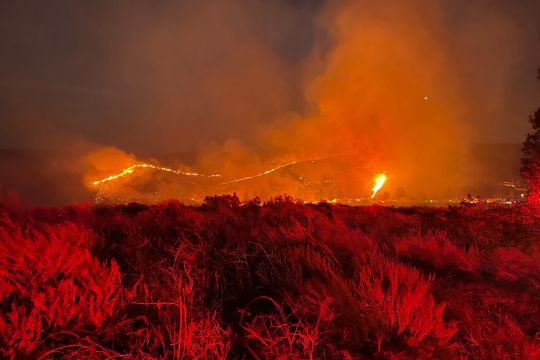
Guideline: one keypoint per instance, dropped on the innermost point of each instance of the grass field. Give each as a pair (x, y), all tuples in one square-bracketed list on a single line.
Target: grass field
[(266, 281)]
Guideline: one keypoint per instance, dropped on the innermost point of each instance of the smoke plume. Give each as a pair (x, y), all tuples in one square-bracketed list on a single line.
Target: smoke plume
[(238, 87)]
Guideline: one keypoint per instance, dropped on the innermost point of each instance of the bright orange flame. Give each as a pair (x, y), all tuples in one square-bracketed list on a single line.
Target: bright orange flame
[(379, 182), (269, 171), (132, 168)]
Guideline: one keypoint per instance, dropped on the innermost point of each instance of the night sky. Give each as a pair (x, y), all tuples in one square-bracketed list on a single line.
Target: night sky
[(135, 74)]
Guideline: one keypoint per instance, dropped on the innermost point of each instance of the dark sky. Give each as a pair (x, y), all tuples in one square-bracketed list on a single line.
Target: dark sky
[(165, 76)]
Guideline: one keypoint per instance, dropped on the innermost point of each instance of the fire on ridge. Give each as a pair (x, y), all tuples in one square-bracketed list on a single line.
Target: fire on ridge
[(126, 173), (131, 169)]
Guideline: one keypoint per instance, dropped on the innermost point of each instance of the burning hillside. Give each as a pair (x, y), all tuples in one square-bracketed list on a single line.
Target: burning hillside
[(380, 93), (314, 179), (248, 86)]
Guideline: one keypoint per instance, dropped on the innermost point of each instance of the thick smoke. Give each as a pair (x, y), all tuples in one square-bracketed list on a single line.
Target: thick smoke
[(236, 87), (388, 95), (389, 88)]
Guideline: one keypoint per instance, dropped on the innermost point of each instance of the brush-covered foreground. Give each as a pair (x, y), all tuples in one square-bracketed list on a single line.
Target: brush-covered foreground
[(284, 280)]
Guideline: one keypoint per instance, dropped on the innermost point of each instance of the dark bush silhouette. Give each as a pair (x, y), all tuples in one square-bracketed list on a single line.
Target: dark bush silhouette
[(276, 280), (530, 162)]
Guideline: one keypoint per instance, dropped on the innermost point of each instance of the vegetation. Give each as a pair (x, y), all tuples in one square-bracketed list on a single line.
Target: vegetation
[(530, 169), (530, 162), (279, 280)]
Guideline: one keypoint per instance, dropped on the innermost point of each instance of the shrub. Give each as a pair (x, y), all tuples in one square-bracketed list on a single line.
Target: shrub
[(232, 280), (437, 252)]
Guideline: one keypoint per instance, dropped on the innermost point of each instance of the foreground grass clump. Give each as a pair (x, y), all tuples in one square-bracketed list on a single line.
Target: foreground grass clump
[(283, 280)]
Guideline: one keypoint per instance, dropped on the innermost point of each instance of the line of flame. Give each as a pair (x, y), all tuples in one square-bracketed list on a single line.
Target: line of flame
[(269, 171), (132, 168)]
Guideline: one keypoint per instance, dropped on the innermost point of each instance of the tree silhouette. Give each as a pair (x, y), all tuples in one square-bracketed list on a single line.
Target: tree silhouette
[(530, 163)]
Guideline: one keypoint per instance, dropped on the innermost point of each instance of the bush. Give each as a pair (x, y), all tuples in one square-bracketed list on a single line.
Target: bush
[(279, 280)]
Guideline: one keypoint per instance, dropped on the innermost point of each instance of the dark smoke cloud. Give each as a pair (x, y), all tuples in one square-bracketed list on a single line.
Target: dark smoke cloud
[(151, 77)]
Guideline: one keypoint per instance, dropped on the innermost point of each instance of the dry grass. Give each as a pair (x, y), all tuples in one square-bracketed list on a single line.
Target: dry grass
[(281, 280)]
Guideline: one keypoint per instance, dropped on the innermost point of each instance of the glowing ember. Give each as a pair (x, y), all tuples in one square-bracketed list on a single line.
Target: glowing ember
[(132, 168), (379, 182)]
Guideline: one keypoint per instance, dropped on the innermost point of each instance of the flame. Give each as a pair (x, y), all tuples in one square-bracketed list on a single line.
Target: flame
[(131, 169), (269, 171), (282, 166), (379, 182)]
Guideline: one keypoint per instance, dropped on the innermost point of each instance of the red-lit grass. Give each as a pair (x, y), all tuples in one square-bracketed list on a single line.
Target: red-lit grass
[(280, 280), (436, 251)]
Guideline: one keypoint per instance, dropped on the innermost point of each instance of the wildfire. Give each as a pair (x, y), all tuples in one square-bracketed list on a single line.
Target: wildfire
[(132, 168), (379, 179), (379, 182), (269, 171)]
